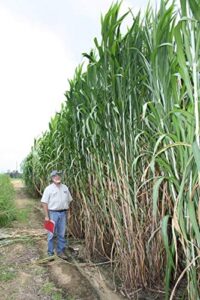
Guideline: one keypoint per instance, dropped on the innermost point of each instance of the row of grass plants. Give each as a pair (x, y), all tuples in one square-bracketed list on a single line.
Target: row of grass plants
[(127, 138), (7, 206)]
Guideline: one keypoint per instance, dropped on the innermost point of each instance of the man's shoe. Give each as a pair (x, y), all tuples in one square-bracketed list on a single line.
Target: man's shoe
[(50, 256), (62, 255), (73, 251)]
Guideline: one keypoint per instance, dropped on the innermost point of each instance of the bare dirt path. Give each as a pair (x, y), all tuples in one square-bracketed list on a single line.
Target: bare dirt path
[(24, 272)]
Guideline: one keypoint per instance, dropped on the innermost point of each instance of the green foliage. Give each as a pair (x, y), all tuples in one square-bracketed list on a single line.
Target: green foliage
[(127, 139), (7, 206)]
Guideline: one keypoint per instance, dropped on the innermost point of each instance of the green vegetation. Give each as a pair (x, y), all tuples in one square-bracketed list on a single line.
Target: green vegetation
[(57, 296), (128, 141), (7, 274), (7, 207), (50, 289), (23, 214)]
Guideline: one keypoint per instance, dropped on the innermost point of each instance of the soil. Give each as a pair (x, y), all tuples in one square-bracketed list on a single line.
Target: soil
[(26, 272)]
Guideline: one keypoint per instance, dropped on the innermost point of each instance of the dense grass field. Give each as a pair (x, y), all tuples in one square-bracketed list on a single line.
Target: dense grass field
[(7, 206)]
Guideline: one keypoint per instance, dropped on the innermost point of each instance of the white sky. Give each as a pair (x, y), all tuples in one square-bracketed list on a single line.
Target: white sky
[(41, 42)]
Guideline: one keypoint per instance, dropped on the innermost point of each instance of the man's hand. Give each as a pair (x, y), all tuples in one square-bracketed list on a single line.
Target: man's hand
[(46, 218)]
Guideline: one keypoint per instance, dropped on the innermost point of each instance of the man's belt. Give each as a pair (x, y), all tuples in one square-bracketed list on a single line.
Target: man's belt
[(58, 210)]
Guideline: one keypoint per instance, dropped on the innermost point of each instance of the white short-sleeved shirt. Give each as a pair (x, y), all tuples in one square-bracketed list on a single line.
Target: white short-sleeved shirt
[(57, 197)]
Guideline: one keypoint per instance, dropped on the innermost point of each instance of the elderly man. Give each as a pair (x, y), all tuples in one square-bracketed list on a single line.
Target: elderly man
[(55, 201)]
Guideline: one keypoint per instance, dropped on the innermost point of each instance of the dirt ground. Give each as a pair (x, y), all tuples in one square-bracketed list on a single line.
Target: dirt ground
[(26, 272)]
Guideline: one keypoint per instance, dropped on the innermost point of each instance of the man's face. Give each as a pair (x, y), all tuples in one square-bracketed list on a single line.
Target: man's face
[(56, 179)]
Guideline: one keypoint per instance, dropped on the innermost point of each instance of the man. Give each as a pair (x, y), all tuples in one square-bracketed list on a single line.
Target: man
[(55, 201)]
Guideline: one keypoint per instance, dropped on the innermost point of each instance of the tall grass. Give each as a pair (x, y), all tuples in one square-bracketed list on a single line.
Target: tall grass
[(127, 139), (7, 207)]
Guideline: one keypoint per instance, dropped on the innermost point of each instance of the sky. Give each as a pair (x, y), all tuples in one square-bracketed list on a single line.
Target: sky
[(41, 44)]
